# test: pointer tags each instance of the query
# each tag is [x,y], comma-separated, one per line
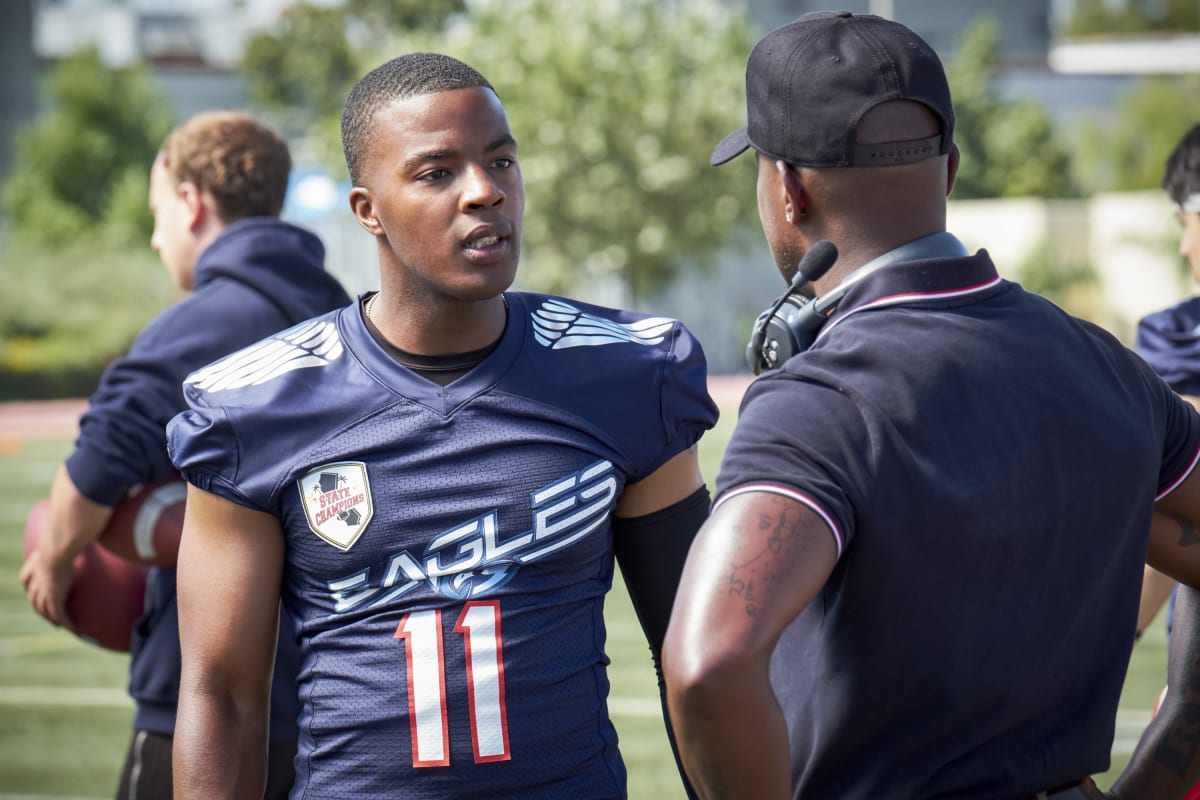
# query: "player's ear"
[795,197]
[363,206]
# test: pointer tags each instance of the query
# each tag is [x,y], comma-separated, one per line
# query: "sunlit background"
[1066,114]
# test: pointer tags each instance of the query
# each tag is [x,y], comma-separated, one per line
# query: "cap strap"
[884,154]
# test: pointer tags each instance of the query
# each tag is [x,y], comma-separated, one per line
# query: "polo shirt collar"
[920,282]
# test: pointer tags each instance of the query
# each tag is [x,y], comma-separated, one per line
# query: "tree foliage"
[81,167]
[306,64]
[1129,153]
[1009,147]
[1091,17]
[75,307]
[402,15]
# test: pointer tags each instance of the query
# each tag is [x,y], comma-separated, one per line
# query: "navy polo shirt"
[988,466]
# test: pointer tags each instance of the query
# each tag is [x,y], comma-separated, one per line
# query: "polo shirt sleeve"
[1180,436]
[804,440]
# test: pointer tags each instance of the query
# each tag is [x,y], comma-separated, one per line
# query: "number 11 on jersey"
[479,624]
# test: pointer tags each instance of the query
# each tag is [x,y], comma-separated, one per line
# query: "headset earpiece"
[790,324]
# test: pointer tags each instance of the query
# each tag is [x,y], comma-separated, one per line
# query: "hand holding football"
[107,595]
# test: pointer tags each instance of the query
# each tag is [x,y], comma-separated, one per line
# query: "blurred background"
[1067,110]
[1066,114]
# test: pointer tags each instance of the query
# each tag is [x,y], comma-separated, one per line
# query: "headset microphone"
[784,329]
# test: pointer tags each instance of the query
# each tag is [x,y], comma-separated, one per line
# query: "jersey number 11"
[479,623]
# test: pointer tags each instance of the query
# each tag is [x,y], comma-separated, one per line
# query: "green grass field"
[66,715]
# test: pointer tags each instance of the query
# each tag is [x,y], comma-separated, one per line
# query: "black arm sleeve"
[1166,761]
[650,551]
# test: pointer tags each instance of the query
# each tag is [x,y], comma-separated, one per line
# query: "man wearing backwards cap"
[920,576]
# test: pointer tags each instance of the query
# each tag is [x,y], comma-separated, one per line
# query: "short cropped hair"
[1182,178]
[243,163]
[402,77]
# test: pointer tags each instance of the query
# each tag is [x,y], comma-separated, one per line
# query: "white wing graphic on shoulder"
[310,344]
[559,325]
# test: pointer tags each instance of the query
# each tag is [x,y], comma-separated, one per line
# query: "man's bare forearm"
[220,748]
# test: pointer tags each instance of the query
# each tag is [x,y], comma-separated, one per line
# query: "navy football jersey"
[1169,341]
[448,549]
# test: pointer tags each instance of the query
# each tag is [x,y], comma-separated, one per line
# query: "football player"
[436,477]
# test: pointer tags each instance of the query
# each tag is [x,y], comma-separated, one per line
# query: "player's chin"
[482,283]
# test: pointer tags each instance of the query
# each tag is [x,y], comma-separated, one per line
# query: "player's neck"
[431,329]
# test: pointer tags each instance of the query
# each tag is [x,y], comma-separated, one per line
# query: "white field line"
[37,644]
[63,696]
[1130,724]
[634,706]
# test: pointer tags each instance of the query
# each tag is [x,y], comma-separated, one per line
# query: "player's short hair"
[405,76]
[243,163]
[1182,178]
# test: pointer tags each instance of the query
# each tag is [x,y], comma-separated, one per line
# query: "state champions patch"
[337,502]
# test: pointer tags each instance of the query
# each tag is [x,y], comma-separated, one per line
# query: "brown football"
[146,524]
[107,595]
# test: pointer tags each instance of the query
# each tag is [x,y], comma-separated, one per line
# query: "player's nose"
[480,189]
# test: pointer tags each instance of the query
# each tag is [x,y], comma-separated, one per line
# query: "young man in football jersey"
[216,190]
[1167,758]
[436,477]
[1169,340]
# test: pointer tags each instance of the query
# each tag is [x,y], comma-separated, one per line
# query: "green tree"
[1009,148]
[617,105]
[305,65]
[81,167]
[1099,17]
[389,15]
[1129,153]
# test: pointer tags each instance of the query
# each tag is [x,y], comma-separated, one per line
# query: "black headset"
[791,324]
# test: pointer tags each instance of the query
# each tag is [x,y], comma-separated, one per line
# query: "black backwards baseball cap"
[810,82]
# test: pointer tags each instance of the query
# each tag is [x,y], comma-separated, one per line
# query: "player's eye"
[433,175]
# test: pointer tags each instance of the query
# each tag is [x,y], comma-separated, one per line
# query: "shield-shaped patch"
[337,502]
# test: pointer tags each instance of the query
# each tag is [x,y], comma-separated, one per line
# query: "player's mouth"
[485,245]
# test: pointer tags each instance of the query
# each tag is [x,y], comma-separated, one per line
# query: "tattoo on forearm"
[776,558]
[1187,531]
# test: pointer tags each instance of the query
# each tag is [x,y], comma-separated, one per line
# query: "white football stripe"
[148,515]
[591,341]
[221,370]
[312,344]
[558,326]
